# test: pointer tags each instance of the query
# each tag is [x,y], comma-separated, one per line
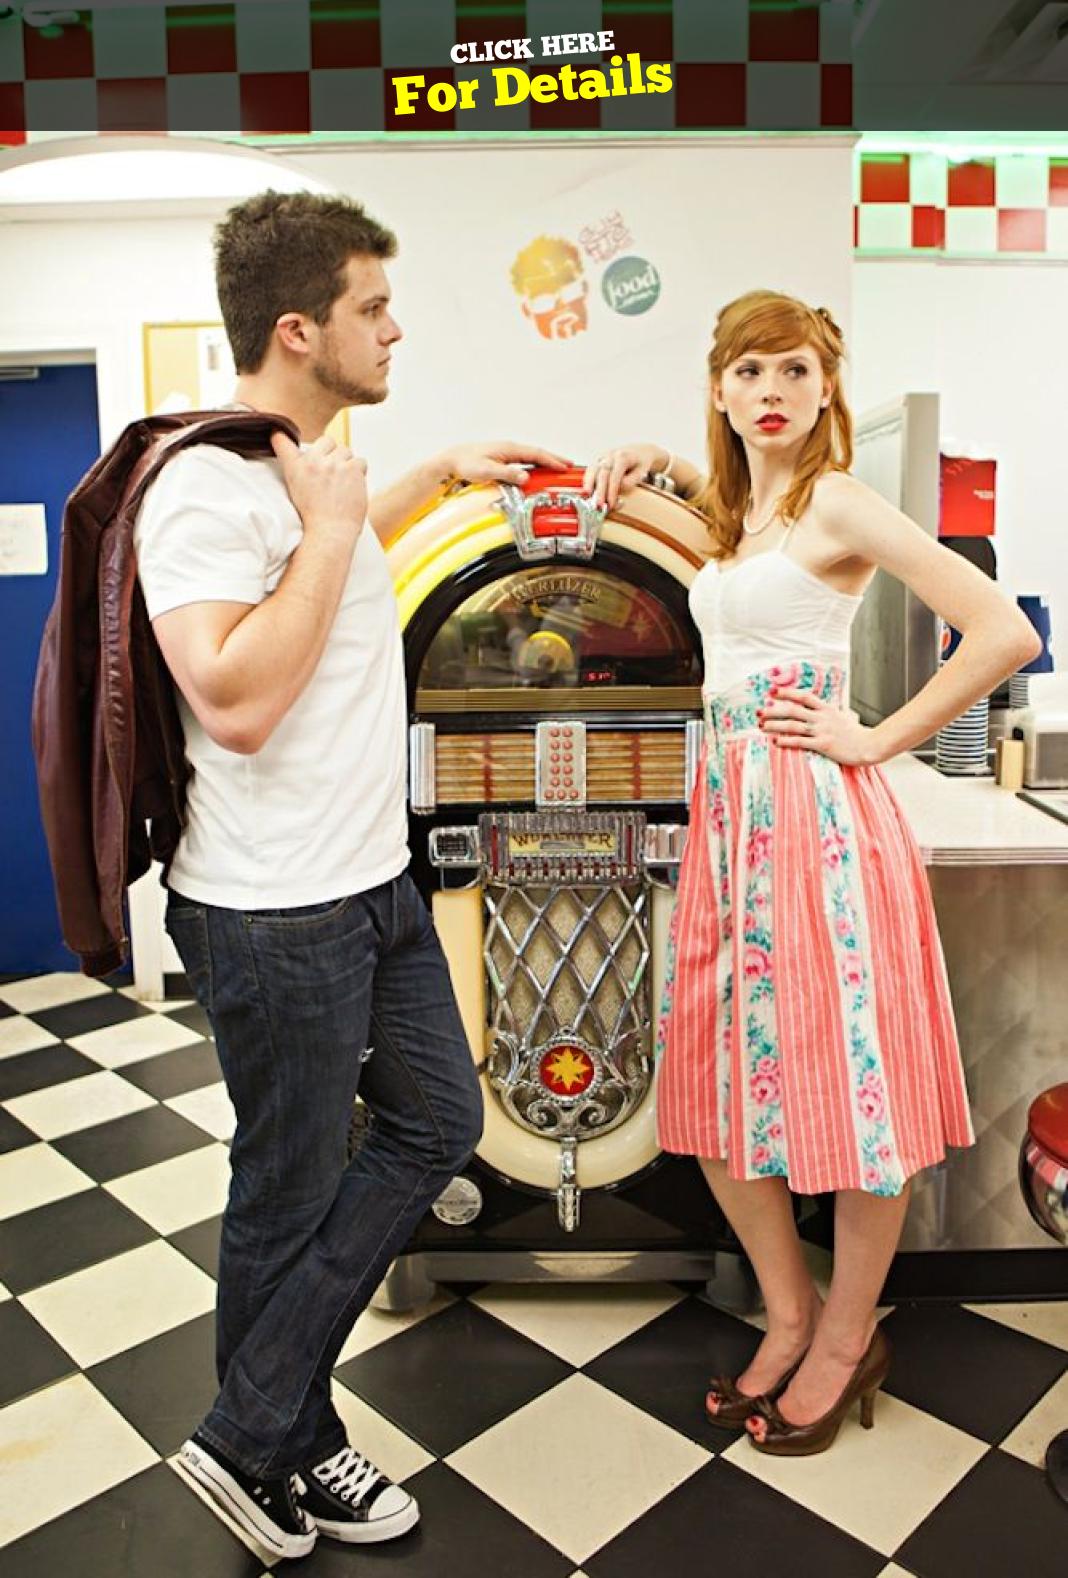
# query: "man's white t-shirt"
[319,812]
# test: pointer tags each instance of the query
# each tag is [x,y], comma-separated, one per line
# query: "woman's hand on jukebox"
[616,470]
[795,719]
[503,461]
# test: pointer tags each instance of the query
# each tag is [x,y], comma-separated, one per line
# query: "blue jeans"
[309,1005]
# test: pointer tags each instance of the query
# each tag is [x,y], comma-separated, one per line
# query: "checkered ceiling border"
[305,66]
[1006,205]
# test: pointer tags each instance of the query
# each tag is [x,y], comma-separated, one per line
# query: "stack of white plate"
[961,746]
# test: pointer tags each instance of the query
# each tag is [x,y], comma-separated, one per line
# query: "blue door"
[49,437]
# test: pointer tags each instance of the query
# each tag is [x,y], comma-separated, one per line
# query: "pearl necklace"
[754,531]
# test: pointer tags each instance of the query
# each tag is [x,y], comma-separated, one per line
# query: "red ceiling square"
[565,114]
[928,226]
[68,54]
[651,36]
[422,118]
[340,45]
[710,95]
[275,101]
[785,35]
[13,113]
[1058,183]
[201,38]
[884,178]
[131,104]
[972,185]
[1021,230]
[836,95]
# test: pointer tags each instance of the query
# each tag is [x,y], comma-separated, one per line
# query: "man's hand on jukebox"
[502,460]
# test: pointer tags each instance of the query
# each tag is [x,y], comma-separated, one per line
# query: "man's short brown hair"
[284,252]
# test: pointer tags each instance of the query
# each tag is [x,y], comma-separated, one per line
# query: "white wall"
[715,220]
[992,339]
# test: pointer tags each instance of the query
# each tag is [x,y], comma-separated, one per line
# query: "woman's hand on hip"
[795,719]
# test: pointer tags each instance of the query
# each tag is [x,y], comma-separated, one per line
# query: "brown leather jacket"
[106,733]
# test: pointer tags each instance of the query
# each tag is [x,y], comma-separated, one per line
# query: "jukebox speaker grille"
[641,765]
[569,1011]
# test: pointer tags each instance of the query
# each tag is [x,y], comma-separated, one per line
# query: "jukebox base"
[412,1280]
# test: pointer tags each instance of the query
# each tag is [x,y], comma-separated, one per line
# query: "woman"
[808,1041]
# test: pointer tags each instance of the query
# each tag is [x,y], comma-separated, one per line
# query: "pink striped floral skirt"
[807,1030]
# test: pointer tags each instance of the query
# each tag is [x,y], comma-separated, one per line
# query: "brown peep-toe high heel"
[733,1407]
[782,1439]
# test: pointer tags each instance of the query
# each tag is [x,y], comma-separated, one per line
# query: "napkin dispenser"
[1045,736]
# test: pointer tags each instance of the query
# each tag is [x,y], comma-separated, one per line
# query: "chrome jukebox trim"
[422,788]
[519,508]
[455,848]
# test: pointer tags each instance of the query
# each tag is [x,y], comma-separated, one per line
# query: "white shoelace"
[348,1474]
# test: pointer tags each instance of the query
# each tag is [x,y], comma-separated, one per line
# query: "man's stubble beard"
[328,375]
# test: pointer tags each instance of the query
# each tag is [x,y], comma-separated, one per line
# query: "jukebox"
[554,690]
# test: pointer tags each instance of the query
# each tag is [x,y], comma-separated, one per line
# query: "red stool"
[1044,1181]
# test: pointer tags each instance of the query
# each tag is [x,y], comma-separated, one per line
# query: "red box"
[968,497]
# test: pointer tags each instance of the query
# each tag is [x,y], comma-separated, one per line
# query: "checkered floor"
[546,1431]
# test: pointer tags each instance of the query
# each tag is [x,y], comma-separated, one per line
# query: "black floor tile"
[461,1534]
[151,1526]
[972,1372]
[722,1520]
[139,1139]
[90,1013]
[48,1066]
[665,1367]
[192,1017]
[165,1386]
[1001,1519]
[452,1376]
[6,1010]
[68,1235]
[13,1134]
[200,1243]
[28,1356]
[173,1073]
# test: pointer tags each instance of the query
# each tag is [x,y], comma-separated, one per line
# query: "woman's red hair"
[767,321]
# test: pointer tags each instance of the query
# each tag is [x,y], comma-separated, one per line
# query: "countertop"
[971,821]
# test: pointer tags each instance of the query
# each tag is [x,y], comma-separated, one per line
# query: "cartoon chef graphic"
[548,277]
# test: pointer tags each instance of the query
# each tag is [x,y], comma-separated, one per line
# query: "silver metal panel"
[422,789]
[895,638]
[1005,937]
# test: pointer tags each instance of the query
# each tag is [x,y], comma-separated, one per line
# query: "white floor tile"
[60,1447]
[575,1322]
[18,1034]
[1036,1430]
[123,1301]
[77,1104]
[36,992]
[396,1454]
[375,1326]
[116,1045]
[4,1293]
[894,1571]
[179,1192]
[37,1175]
[210,1108]
[876,1484]
[578,1464]
[1048,1322]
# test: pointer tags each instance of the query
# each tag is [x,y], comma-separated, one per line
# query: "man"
[290,905]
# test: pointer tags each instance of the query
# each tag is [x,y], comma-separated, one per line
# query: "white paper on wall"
[23,540]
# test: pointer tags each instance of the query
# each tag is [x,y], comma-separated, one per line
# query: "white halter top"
[767,610]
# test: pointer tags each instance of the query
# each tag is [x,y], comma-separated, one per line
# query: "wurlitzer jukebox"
[554,686]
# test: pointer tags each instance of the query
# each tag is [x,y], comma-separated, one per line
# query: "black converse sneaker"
[266,1509]
[348,1497]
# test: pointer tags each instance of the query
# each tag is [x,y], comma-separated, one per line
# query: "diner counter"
[972,821]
